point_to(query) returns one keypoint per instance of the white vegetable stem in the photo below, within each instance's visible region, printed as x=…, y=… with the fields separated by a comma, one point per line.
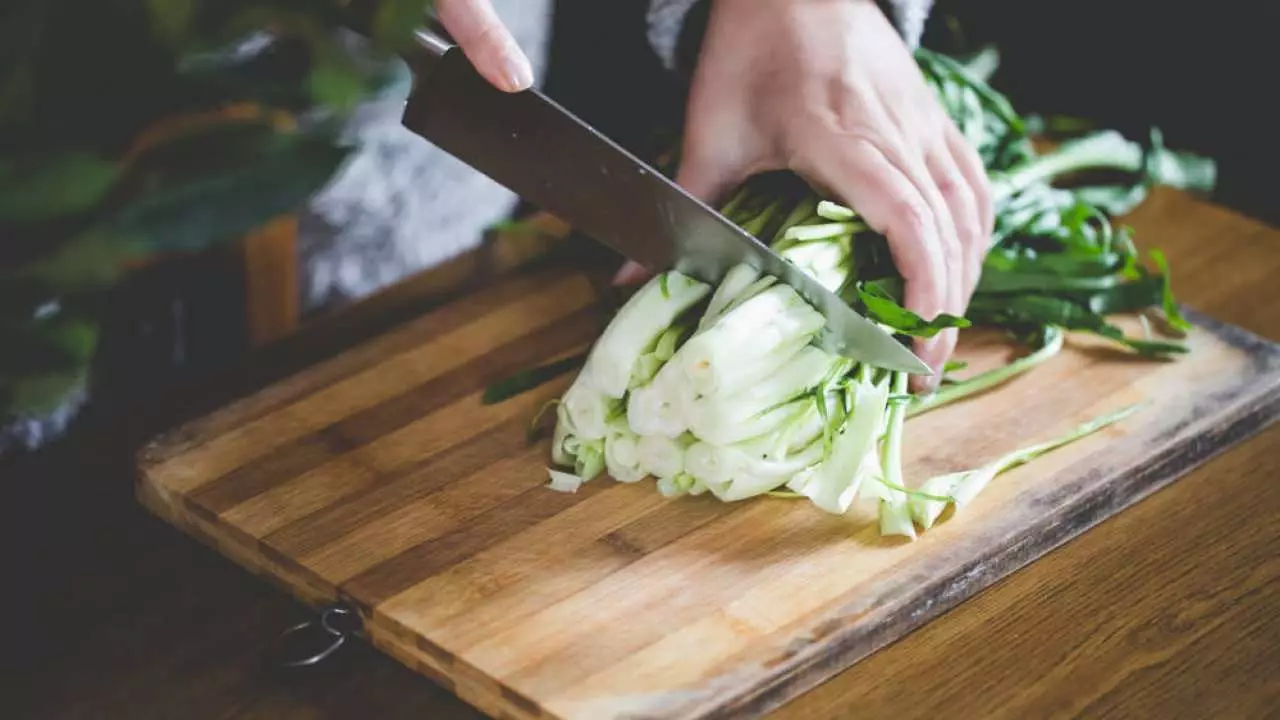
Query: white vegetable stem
x=833, y=484
x=637, y=328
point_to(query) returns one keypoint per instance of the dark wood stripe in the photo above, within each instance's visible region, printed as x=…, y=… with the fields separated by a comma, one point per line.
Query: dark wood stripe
x=312, y=451
x=457, y=314
x=409, y=484
x=610, y=553
x=444, y=657
x=411, y=566
x=666, y=524
x=522, y=703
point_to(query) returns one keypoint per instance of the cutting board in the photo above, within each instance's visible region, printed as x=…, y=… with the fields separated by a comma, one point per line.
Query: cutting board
x=379, y=479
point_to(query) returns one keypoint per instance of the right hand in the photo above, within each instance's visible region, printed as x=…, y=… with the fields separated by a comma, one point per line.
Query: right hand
x=487, y=43
x=831, y=91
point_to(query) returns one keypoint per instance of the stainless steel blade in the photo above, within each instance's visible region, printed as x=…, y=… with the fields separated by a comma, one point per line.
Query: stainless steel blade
x=537, y=149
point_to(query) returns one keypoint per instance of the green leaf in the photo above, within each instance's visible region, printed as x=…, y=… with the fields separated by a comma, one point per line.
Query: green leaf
x=883, y=308
x=335, y=80
x=1172, y=313
x=41, y=188
x=44, y=363
x=47, y=346
x=207, y=209
x=1037, y=310
x=395, y=20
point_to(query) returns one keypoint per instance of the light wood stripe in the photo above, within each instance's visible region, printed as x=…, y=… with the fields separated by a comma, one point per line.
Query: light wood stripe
x=256, y=438
x=375, y=422
x=462, y=311
x=309, y=534
x=473, y=600
x=428, y=519
x=367, y=466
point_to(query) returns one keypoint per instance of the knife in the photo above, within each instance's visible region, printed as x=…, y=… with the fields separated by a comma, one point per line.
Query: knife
x=528, y=143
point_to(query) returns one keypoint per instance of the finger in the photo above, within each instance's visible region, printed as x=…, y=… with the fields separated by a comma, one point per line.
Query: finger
x=862, y=176
x=631, y=273
x=963, y=207
x=487, y=43
x=936, y=350
x=972, y=168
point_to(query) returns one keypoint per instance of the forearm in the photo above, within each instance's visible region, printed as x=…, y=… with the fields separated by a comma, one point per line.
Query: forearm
x=671, y=22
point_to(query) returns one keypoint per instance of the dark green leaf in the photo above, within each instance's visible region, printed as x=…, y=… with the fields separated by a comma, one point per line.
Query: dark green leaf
x=1032, y=310
x=335, y=81
x=1093, y=264
x=208, y=209
x=883, y=308
x=1172, y=313
x=526, y=380
x=43, y=363
x=42, y=188
x=395, y=20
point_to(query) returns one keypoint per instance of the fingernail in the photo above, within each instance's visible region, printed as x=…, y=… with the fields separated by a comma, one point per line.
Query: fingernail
x=628, y=274
x=518, y=70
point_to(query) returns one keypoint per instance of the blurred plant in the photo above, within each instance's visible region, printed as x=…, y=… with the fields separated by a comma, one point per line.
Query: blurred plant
x=135, y=129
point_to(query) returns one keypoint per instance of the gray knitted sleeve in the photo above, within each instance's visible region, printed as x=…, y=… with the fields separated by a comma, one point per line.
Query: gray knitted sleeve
x=666, y=19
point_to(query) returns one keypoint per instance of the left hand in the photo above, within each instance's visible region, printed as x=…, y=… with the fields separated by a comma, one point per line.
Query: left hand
x=828, y=89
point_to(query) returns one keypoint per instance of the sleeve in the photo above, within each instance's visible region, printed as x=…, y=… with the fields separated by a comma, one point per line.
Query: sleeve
x=668, y=32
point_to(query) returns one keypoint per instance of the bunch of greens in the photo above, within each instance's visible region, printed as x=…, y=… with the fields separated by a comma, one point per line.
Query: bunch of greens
x=722, y=391
x=132, y=130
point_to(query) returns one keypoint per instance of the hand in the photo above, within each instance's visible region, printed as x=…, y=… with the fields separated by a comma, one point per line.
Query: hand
x=487, y=43
x=828, y=89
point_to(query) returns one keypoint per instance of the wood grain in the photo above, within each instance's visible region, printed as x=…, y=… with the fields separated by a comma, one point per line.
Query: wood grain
x=378, y=478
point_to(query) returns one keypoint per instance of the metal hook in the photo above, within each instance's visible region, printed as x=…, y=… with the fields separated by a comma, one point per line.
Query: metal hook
x=329, y=623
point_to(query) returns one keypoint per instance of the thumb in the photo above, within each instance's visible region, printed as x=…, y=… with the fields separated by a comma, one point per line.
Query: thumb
x=487, y=43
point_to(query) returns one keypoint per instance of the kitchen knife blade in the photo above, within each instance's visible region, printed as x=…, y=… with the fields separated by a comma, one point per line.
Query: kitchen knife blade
x=528, y=143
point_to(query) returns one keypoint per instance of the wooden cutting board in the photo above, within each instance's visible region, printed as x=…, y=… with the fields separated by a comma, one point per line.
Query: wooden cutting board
x=379, y=479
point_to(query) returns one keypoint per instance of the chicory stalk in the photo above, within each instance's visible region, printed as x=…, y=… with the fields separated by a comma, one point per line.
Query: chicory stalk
x=638, y=325
x=561, y=481
x=1051, y=345
x=587, y=409
x=757, y=409
x=750, y=341
x=962, y=487
x=663, y=457
x=832, y=485
x=740, y=471
x=622, y=453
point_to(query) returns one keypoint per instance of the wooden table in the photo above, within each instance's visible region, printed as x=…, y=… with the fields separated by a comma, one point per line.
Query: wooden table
x=1167, y=610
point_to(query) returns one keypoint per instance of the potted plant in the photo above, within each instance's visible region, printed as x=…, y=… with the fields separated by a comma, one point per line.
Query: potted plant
x=133, y=130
